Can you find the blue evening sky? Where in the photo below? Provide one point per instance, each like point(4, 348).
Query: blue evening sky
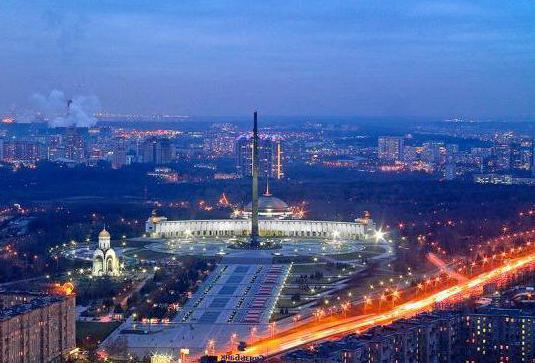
point(328, 57)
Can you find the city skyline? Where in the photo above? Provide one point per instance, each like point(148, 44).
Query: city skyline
point(294, 181)
point(428, 59)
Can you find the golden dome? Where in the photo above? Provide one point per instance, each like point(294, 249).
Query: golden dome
point(104, 234)
point(154, 218)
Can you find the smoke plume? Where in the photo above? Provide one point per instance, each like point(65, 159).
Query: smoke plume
point(61, 111)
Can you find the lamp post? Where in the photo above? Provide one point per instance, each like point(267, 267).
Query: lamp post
point(184, 352)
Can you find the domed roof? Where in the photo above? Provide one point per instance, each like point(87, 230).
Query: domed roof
point(104, 234)
point(154, 216)
point(268, 202)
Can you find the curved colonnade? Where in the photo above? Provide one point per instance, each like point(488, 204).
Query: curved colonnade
point(268, 228)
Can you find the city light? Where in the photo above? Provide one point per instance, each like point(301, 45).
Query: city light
point(379, 235)
point(312, 332)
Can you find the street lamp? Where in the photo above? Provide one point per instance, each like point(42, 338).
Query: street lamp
point(233, 339)
point(184, 352)
point(379, 235)
point(210, 349)
point(253, 332)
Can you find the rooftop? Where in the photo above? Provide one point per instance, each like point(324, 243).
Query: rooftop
point(269, 203)
point(39, 300)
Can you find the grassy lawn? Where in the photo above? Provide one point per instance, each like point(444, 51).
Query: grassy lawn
point(96, 330)
point(137, 243)
point(288, 303)
point(368, 252)
point(294, 259)
point(147, 254)
point(323, 268)
point(308, 268)
point(289, 291)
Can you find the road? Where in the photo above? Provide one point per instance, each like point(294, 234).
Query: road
point(307, 334)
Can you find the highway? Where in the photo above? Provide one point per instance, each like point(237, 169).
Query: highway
point(314, 332)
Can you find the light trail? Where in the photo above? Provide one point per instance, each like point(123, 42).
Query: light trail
point(285, 341)
point(443, 266)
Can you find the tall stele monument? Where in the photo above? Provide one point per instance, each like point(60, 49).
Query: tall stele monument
point(255, 242)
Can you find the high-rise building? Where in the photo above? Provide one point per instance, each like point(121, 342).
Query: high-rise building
point(219, 141)
point(522, 154)
point(502, 157)
point(20, 150)
point(390, 148)
point(74, 145)
point(54, 148)
point(270, 156)
point(279, 157)
point(500, 335)
point(452, 149)
point(119, 157)
point(156, 151)
point(411, 153)
point(95, 154)
point(486, 335)
point(426, 338)
point(433, 153)
point(449, 171)
point(533, 161)
point(36, 327)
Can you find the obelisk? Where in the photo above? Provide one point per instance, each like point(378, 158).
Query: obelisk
point(255, 243)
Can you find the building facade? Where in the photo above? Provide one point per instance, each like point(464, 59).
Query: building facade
point(160, 227)
point(500, 335)
point(36, 328)
point(522, 154)
point(485, 335)
point(105, 260)
point(390, 148)
point(74, 145)
point(20, 150)
point(427, 338)
point(270, 156)
point(156, 151)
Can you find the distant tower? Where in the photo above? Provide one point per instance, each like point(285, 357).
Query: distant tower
point(255, 243)
point(105, 261)
point(533, 160)
point(279, 174)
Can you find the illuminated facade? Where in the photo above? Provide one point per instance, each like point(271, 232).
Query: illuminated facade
point(156, 151)
point(522, 154)
point(105, 261)
point(486, 335)
point(390, 148)
point(270, 156)
point(19, 150)
point(74, 145)
point(500, 335)
point(430, 338)
point(159, 227)
point(36, 327)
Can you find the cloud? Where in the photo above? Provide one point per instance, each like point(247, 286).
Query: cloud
point(68, 28)
point(62, 112)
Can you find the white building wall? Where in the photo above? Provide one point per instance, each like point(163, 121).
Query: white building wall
point(242, 228)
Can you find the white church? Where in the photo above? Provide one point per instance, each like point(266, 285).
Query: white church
point(105, 261)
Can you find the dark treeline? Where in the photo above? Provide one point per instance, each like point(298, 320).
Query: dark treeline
point(77, 202)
